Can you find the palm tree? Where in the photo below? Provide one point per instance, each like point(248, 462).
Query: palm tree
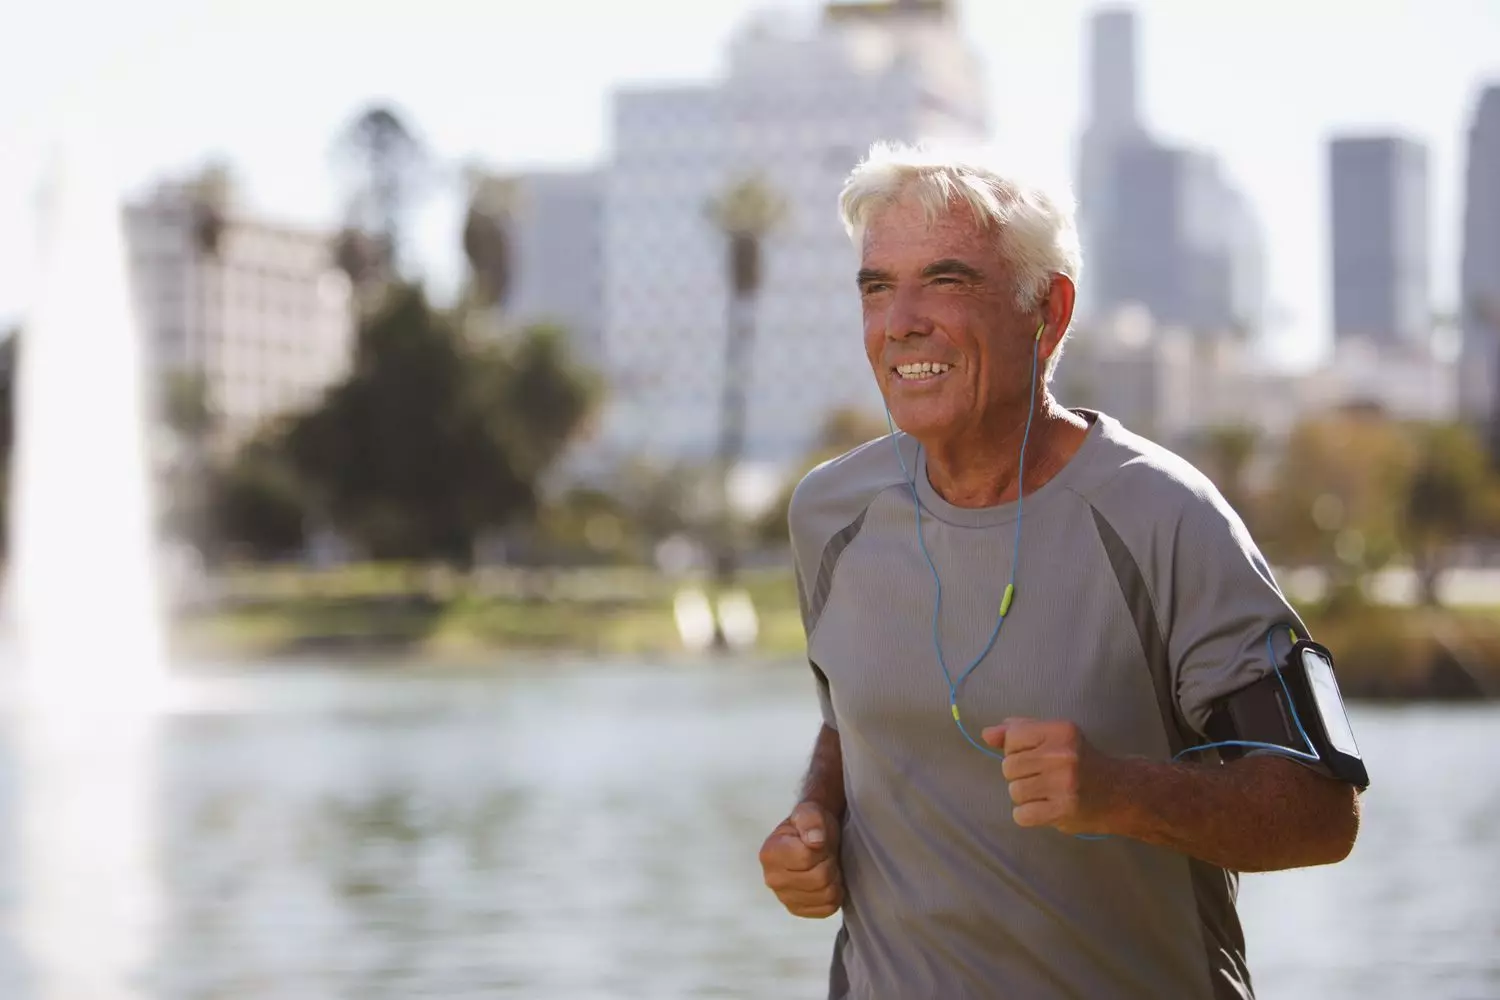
point(487, 239)
point(387, 168)
point(745, 213)
point(210, 198)
point(186, 396)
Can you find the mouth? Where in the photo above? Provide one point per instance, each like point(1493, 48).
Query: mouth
point(921, 371)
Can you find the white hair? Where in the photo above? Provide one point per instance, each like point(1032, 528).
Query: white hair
point(1032, 221)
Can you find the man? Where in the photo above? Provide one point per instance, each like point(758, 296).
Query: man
point(1023, 828)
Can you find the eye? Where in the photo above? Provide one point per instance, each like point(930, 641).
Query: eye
point(871, 287)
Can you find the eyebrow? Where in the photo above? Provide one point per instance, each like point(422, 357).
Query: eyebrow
point(951, 266)
point(948, 266)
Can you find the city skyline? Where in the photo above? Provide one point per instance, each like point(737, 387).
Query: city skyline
point(179, 82)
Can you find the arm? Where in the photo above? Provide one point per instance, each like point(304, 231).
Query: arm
point(1259, 814)
point(1255, 814)
point(824, 783)
point(800, 859)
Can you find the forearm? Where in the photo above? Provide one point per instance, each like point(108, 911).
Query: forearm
point(1255, 814)
point(824, 783)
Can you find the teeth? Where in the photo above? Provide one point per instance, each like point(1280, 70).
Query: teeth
point(922, 369)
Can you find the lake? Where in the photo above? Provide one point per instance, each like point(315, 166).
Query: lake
point(577, 831)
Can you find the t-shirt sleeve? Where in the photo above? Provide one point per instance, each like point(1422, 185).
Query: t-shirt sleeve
point(1223, 603)
point(802, 567)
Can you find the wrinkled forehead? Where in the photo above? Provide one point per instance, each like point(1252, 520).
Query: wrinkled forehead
point(908, 226)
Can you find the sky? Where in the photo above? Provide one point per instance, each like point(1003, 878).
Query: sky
point(268, 85)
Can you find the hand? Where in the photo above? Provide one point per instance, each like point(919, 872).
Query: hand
point(1056, 779)
point(801, 862)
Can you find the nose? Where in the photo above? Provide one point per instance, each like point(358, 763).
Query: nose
point(905, 318)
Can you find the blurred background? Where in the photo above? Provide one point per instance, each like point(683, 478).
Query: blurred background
point(414, 408)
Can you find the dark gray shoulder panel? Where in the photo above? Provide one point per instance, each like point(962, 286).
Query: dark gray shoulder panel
point(1153, 644)
point(828, 509)
point(823, 583)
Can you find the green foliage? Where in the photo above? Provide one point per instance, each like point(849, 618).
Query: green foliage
point(843, 430)
point(1224, 454)
point(543, 398)
point(1451, 495)
point(1357, 491)
point(390, 169)
point(589, 525)
point(486, 237)
point(746, 212)
point(430, 443)
point(1337, 499)
point(259, 501)
point(186, 405)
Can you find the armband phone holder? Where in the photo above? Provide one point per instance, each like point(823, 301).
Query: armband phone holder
point(1299, 708)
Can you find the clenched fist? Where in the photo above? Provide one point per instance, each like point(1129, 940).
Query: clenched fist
point(801, 862)
point(1056, 779)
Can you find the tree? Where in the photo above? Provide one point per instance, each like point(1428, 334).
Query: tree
point(188, 412)
point(389, 170)
point(544, 397)
point(745, 213)
point(259, 500)
point(1450, 495)
point(187, 406)
point(433, 442)
point(1226, 453)
point(843, 430)
point(1338, 497)
point(486, 238)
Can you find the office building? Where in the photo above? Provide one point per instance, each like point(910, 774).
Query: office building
point(797, 107)
point(556, 229)
point(1378, 194)
point(1181, 242)
point(262, 314)
point(1112, 125)
point(1480, 274)
point(1161, 227)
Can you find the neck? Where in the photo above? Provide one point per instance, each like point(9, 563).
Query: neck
point(985, 471)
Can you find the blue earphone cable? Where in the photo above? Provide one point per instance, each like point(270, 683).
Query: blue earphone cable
point(1310, 755)
point(1009, 597)
point(1010, 588)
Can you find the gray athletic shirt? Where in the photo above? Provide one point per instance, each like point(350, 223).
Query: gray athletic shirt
point(1140, 598)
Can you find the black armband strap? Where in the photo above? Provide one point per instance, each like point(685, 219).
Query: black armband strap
point(1298, 708)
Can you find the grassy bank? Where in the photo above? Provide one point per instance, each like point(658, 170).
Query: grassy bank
point(1383, 652)
point(603, 612)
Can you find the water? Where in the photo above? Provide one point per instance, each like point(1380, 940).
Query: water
point(582, 831)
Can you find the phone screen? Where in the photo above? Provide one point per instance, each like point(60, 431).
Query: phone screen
point(1330, 705)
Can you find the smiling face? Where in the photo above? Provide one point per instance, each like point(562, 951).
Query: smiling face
point(948, 345)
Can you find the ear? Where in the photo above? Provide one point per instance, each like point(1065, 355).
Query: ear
point(1057, 312)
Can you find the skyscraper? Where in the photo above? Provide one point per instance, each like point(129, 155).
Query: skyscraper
point(1161, 226)
point(1480, 276)
point(1112, 126)
point(798, 107)
point(1378, 188)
